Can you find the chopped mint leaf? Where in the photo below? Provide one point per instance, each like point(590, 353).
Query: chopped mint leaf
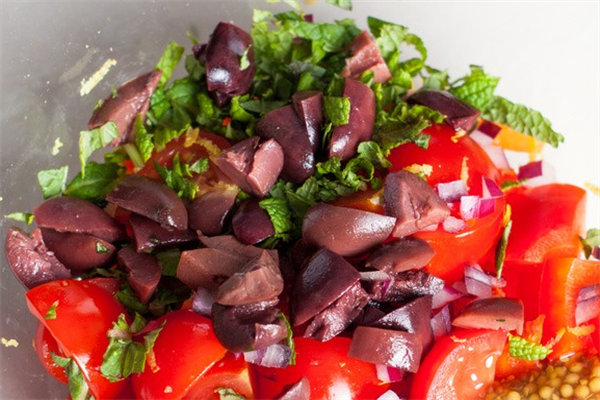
point(78, 388)
point(508, 184)
point(101, 248)
point(591, 240)
point(522, 119)
point(51, 313)
point(436, 79)
point(168, 62)
point(194, 67)
point(97, 181)
point(373, 152)
point(176, 178)
point(280, 215)
point(90, 141)
point(134, 155)
point(244, 61)
point(143, 139)
point(261, 106)
point(337, 109)
point(477, 88)
point(21, 217)
point(199, 167)
point(168, 260)
point(501, 249)
point(343, 4)
point(53, 181)
point(289, 340)
point(524, 350)
point(113, 92)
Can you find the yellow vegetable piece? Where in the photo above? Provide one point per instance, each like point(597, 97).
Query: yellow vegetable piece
point(509, 139)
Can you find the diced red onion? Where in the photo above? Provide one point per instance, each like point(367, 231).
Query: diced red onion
point(596, 252)
point(481, 138)
point(453, 225)
point(273, 356)
point(477, 288)
point(452, 191)
point(588, 304)
point(441, 323)
point(478, 283)
point(491, 189)
point(489, 129)
point(495, 153)
point(388, 374)
point(460, 286)
point(203, 302)
point(446, 295)
point(537, 173)
point(389, 395)
point(486, 206)
point(469, 207)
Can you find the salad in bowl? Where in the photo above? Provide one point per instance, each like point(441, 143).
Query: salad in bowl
point(309, 210)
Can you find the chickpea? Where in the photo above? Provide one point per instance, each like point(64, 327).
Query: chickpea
point(546, 392)
point(582, 391)
point(572, 378)
point(595, 385)
point(566, 391)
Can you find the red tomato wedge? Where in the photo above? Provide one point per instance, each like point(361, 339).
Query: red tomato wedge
point(523, 281)
point(459, 366)
point(331, 373)
point(547, 222)
point(82, 314)
point(184, 351)
point(45, 345)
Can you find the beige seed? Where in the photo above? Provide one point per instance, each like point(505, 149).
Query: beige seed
point(554, 382)
point(529, 389)
point(577, 367)
point(595, 385)
point(566, 391)
point(541, 380)
point(572, 378)
point(596, 371)
point(534, 396)
point(546, 392)
point(561, 371)
point(582, 391)
point(513, 395)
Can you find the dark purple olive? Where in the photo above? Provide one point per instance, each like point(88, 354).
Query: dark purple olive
point(208, 213)
point(251, 223)
point(298, 391)
point(366, 57)
point(401, 255)
point(30, 261)
point(459, 115)
point(152, 199)
point(229, 62)
point(258, 280)
point(368, 315)
point(69, 214)
point(338, 316)
point(143, 272)
point(409, 285)
point(588, 304)
point(236, 162)
point(412, 202)
point(250, 327)
point(346, 231)
point(309, 107)
point(346, 138)
point(492, 313)
point(148, 234)
point(131, 99)
point(284, 125)
point(266, 167)
point(413, 317)
point(208, 268)
point(231, 245)
point(323, 280)
point(395, 349)
point(77, 251)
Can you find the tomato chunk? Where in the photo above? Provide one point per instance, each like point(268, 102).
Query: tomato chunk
point(459, 366)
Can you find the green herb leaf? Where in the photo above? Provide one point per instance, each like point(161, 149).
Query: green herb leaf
point(289, 339)
point(53, 181)
point(21, 217)
point(194, 67)
point(143, 139)
point(168, 62)
point(78, 388)
point(508, 184)
point(373, 152)
point(168, 260)
point(228, 394)
point(176, 178)
point(436, 79)
point(501, 249)
point(591, 240)
point(343, 4)
point(524, 350)
point(280, 215)
point(96, 182)
point(522, 119)
point(477, 88)
point(244, 61)
point(101, 248)
point(90, 141)
point(337, 109)
point(51, 313)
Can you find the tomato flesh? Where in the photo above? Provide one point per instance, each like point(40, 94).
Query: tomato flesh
point(459, 366)
point(45, 345)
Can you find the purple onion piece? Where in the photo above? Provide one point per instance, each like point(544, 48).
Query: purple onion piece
point(487, 206)
point(441, 323)
point(70, 214)
point(459, 115)
point(203, 302)
point(30, 261)
point(447, 295)
point(588, 304)
point(453, 225)
point(274, 356)
point(469, 207)
point(251, 223)
point(478, 288)
point(491, 189)
point(389, 395)
point(492, 313)
point(152, 199)
point(537, 173)
point(346, 231)
point(489, 128)
point(452, 191)
point(389, 374)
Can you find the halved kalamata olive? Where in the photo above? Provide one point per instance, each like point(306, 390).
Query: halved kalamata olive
point(143, 272)
point(298, 391)
point(369, 314)
point(284, 125)
point(309, 107)
point(30, 261)
point(411, 284)
point(208, 268)
point(226, 74)
point(208, 213)
point(266, 167)
point(396, 349)
point(323, 280)
point(346, 231)
point(251, 223)
point(230, 244)
point(70, 214)
point(77, 251)
point(459, 115)
point(148, 234)
point(401, 255)
point(131, 99)
point(257, 280)
point(492, 313)
point(152, 199)
point(366, 57)
point(339, 315)
point(588, 304)
point(345, 138)
point(248, 327)
point(236, 162)
point(412, 202)
point(413, 317)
